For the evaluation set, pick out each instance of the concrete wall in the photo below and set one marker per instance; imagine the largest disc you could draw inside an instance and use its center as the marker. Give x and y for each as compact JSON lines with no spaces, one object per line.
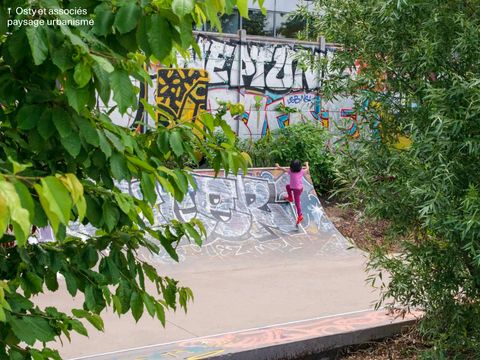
{"x":261,"y":73}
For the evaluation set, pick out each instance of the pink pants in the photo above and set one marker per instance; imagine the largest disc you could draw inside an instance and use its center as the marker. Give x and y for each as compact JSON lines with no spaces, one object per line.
{"x":297,"y":193}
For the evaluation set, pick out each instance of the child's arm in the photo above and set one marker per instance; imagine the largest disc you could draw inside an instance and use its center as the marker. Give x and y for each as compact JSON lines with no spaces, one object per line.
{"x":307,"y":167}
{"x":280,"y":168}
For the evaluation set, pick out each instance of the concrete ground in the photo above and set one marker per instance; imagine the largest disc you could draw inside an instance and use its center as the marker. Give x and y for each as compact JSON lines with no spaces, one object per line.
{"x":311,"y":279}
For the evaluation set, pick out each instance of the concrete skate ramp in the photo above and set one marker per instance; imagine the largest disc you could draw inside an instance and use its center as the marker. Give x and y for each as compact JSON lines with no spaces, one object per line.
{"x":243,"y":215}
{"x":254,"y":269}
{"x":246,"y":215}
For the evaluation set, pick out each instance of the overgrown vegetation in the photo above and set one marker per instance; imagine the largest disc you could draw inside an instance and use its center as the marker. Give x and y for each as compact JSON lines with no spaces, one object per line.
{"x":304,"y":141}
{"x":423,"y":83}
{"x":61,"y":159}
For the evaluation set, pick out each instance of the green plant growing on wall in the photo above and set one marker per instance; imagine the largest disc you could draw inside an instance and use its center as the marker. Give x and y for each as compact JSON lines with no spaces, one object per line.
{"x":60,"y":158}
{"x":426,"y":83}
{"x":303,"y":141}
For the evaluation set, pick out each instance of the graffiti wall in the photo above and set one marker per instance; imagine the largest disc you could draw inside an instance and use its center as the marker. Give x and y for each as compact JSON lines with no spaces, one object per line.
{"x":263,"y":76}
{"x":181,"y":93}
{"x":241,"y":214}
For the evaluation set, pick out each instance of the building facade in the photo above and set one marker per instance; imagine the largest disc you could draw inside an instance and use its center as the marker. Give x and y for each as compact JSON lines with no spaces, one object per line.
{"x":277,"y":22}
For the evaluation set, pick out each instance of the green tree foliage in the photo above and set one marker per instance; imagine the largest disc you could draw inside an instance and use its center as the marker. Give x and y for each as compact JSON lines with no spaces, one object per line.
{"x":298,"y":24}
{"x":304,"y":141}
{"x":419,"y":73}
{"x":60,"y":158}
{"x":256,"y":24}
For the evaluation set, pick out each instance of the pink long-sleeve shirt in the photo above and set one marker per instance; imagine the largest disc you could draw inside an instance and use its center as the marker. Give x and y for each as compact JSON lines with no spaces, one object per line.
{"x":296,"y":179}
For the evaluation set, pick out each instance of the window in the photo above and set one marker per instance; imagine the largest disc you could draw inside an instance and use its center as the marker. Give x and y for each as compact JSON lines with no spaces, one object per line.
{"x":259,"y":24}
{"x":287,"y":25}
{"x":230,"y":23}
{"x":274,"y":23}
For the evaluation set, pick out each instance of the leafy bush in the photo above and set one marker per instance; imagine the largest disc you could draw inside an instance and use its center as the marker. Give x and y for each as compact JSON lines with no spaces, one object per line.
{"x":430,"y":190}
{"x":306,"y":142}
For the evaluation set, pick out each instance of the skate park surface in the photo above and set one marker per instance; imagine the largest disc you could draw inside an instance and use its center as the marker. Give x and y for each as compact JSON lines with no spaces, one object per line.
{"x":256,"y":269}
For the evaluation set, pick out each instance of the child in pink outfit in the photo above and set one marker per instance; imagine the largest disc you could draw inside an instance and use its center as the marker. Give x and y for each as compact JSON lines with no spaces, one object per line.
{"x":295,"y":188}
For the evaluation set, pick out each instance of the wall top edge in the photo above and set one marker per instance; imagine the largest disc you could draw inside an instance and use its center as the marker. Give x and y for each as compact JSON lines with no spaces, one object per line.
{"x":268,"y":39}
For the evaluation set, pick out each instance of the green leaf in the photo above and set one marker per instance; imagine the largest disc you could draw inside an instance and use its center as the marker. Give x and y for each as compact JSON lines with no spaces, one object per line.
{"x":117,"y":304}
{"x":31,"y":329}
{"x":3,"y":318}
{"x":242,"y":6}
{"x":61,"y":120}
{"x":21,"y":224}
{"x":55,"y":200}
{"x":72,"y":144}
{"x":193,"y":233}
{"x":163,"y":141}
{"x":78,"y":327}
{"x":103,"y":63}
{"x":104,"y":144}
{"x":182,"y":181}
{"x":119,"y":168}
{"x":125,"y":202}
{"x":4,"y":214}
{"x":176,"y":143}
{"x":104,"y":18}
{"x":212,"y":9}
{"x":90,"y":300}
{"x":142,"y":34}
{"x":160,"y":37}
{"x":16,"y":214}
{"x":37,"y":38}
{"x":31,"y":283}
{"x":167,"y":245}
{"x":208,"y":120}
{"x":88,"y":131}
{"x":26,"y":199}
{"x":17,"y":167}
{"x":28,"y":117}
{"x":82,"y":74}
{"x":45,"y":125}
{"x":123,"y":90}
{"x":160,"y":313}
{"x":136,"y":304}
{"x":140,"y":163}
{"x":116,"y":141}
{"x":127,"y":17}
{"x":51,"y":281}
{"x":62,"y":58}
{"x":78,"y":98}
{"x":182,"y":7}
{"x":147,"y":184}
{"x":96,"y":321}
{"x":111,"y":215}
{"x":149,"y":302}
{"x":71,"y":282}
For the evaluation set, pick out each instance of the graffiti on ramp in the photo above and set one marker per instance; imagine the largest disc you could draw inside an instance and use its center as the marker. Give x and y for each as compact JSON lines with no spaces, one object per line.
{"x":242,"y":214}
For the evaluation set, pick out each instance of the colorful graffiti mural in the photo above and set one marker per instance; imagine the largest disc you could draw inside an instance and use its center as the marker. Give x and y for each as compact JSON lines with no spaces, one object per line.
{"x":261,"y":76}
{"x":241,"y":215}
{"x":181,"y":93}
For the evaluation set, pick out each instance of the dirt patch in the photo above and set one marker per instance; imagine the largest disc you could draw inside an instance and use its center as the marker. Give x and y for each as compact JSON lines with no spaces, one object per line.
{"x":353,"y":224}
{"x":403,"y":347}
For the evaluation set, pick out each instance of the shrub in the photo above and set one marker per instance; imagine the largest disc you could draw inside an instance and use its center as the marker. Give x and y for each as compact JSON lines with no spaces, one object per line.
{"x":303,"y":141}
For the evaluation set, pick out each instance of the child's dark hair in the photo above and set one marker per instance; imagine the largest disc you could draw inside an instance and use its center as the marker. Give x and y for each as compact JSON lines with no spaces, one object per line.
{"x":295,"y":166}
